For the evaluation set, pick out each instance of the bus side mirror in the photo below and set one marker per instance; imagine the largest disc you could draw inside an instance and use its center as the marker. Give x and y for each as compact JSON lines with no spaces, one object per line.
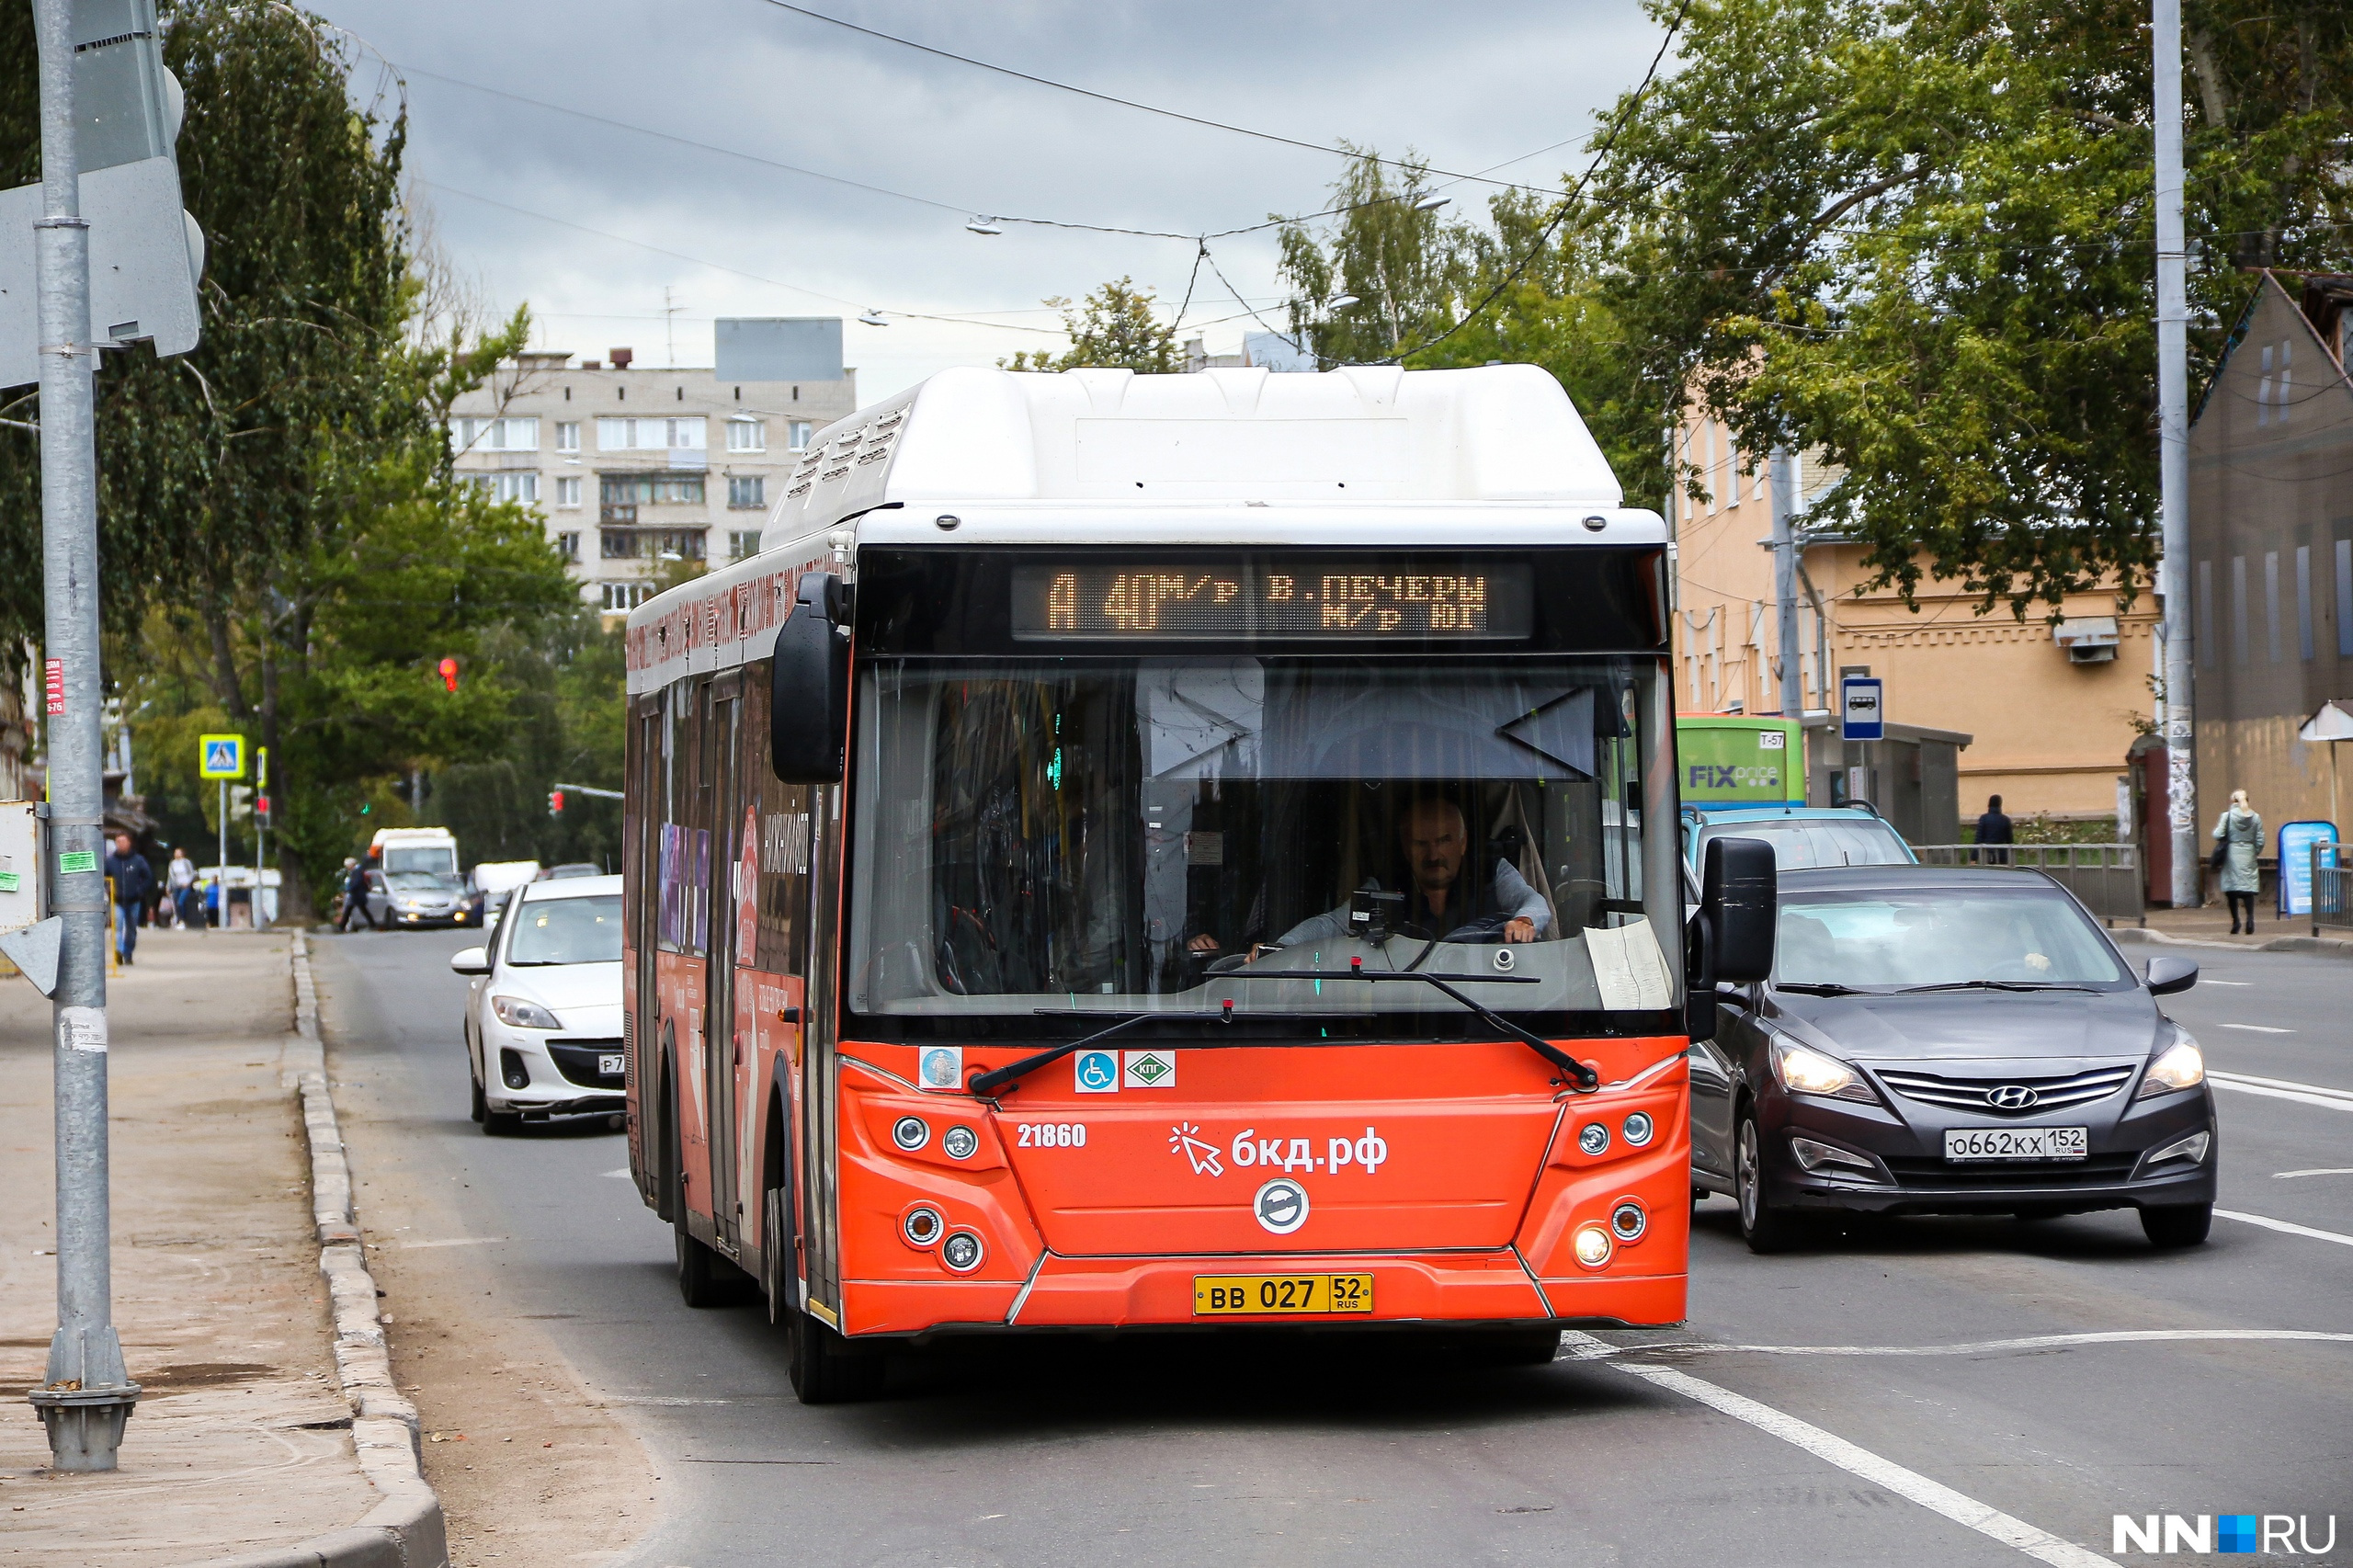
{"x":1739,"y":902}
{"x":809,"y":685}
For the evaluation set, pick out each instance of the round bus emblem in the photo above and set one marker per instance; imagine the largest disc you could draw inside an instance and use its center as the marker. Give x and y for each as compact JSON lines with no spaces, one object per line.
{"x":1282,"y":1206}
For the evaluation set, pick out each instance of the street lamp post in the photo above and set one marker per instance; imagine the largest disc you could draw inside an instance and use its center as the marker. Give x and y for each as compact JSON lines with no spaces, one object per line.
{"x":2173,"y":459}
{"x":85,"y":1396}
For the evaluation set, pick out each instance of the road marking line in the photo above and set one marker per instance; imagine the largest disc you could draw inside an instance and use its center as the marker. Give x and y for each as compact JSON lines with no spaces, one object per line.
{"x":2203,"y":981}
{"x":2284,"y":1227}
{"x":456,"y":1242}
{"x":1986,"y":1346}
{"x":2257,"y":1029}
{"x":2284,"y":1083}
{"x":623,"y":1173}
{"x":2333,"y":1170}
{"x":1884,"y":1473}
{"x":2273,"y":1089}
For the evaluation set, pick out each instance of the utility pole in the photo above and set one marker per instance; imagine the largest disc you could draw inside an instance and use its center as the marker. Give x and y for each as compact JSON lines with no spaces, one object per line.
{"x":87,"y":1396}
{"x":1785,"y":581}
{"x":2173,"y":459}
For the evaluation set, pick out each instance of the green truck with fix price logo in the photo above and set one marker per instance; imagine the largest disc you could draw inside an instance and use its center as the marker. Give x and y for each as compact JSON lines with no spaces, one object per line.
{"x":1733,"y":759}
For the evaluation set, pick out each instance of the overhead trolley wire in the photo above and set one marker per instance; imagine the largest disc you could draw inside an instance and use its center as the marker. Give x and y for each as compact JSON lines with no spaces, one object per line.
{"x":1131,"y":103}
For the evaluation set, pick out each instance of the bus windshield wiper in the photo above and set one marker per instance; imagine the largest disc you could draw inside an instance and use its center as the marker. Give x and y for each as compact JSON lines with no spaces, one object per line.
{"x":1818,"y":988}
{"x":1583,"y":1077}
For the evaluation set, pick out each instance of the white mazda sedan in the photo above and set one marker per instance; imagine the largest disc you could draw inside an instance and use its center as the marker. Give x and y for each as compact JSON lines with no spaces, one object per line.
{"x":543,"y":1017}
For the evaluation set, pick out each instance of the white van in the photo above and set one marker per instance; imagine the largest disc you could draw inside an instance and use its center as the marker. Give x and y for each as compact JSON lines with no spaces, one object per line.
{"x":433,"y":850}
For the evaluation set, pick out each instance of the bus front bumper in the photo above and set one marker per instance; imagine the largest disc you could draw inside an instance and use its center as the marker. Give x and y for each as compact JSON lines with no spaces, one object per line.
{"x":1455,"y":1289}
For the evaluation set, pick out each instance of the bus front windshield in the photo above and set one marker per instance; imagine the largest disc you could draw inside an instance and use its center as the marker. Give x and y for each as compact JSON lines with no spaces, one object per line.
{"x":1157,"y":834}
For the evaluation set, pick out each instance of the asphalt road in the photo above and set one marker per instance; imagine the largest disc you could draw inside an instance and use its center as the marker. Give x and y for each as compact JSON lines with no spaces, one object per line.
{"x":1775,"y":1429}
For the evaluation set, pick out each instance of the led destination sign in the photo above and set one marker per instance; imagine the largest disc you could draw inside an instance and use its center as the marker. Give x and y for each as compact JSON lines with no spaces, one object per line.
{"x":1311,"y":599}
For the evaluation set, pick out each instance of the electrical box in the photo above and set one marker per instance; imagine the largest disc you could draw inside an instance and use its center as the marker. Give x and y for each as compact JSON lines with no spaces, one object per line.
{"x":21,"y":901}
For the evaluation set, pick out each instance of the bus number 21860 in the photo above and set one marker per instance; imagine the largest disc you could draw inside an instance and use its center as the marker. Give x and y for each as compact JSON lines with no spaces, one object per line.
{"x":1051,"y":1135}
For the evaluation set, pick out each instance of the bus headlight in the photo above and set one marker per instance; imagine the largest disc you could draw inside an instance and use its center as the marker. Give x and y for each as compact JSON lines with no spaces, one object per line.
{"x":1638,"y":1129}
{"x":1593,"y":1246}
{"x":911,"y":1133}
{"x":1593,"y":1138}
{"x":961,"y":1252}
{"x":920,"y":1227}
{"x":959,"y":1142}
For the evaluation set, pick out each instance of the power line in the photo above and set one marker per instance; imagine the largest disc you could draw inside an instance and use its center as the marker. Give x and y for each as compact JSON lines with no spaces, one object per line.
{"x":720,"y":267}
{"x":1128,"y":103}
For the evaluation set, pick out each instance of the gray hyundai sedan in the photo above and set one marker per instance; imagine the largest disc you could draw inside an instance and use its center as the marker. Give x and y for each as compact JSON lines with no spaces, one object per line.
{"x":1957,"y":1040}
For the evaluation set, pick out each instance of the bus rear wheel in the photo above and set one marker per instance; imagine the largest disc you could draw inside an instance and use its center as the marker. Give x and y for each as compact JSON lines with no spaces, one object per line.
{"x":827,"y":1368}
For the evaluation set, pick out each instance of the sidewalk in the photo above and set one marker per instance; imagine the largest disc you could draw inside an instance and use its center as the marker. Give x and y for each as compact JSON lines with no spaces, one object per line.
{"x":241,"y":1442}
{"x":2211,"y":925}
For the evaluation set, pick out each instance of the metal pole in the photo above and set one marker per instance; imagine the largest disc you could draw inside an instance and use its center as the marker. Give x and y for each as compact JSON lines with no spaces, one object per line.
{"x":2173,"y":459}
{"x":85,"y":1396}
{"x":1785,"y":581}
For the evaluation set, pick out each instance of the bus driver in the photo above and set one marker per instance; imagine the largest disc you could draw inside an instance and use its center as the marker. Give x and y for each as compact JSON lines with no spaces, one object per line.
{"x":1437,"y":847}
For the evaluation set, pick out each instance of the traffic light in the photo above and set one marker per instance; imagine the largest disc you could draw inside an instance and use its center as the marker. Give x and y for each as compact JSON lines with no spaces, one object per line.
{"x":555,"y":803}
{"x":449,"y":675}
{"x":261,"y":809}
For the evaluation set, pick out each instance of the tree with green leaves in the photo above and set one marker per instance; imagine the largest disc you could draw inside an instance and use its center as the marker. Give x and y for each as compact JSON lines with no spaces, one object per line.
{"x":1116,"y":326}
{"x":1919,"y":238}
{"x":1412,"y":283}
{"x":283,"y":548}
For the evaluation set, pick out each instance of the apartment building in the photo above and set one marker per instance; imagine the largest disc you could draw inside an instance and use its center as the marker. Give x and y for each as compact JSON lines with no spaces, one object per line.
{"x":633,"y":468}
{"x":2047,"y":712}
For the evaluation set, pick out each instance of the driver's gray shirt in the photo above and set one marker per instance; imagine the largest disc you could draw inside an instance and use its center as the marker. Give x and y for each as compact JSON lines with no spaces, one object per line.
{"x":1514,"y":900}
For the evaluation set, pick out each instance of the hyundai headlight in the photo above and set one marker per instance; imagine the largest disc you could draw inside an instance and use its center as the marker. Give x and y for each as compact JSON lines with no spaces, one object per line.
{"x":515,"y":1013}
{"x":2180,"y":1066}
{"x":1805,"y":1071}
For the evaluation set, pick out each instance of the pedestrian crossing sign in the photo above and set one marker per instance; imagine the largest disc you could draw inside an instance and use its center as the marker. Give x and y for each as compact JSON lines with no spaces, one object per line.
{"x":222,"y":757}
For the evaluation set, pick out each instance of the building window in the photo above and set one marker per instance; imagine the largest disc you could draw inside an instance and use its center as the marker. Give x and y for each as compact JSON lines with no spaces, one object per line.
{"x":2205,"y":633}
{"x":626,"y":596}
{"x":495,"y":435}
{"x":649,"y":435}
{"x":2238,"y":610}
{"x":522,"y":487}
{"x":652,"y":544}
{"x":2304,"y":601}
{"x":798,"y":430}
{"x":748,"y":490}
{"x":567,"y":492}
{"x":634,"y":490}
{"x":2344,"y":598}
{"x":743,"y":543}
{"x":568,"y":546}
{"x":567,"y":435}
{"x":746,"y":436}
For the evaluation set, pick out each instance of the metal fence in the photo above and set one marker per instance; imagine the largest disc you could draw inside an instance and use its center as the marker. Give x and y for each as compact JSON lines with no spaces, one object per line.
{"x":2105,"y":876}
{"x":2332,"y":890}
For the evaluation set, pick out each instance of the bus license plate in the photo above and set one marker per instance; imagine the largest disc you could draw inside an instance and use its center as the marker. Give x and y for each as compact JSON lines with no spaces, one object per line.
{"x":2016,"y":1144}
{"x":1258,"y":1295}
{"x":608,"y":1063}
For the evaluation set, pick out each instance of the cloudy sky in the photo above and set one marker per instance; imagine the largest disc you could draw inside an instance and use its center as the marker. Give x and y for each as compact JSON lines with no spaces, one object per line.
{"x":591,"y":222}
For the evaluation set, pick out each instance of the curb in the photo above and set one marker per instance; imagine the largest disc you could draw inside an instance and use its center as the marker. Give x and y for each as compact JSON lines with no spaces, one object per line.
{"x":2319,"y":947}
{"x":405,"y":1529}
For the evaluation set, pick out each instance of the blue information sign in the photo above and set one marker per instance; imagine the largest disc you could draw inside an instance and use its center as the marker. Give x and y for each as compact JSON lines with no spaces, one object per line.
{"x":1861,"y":714}
{"x":2296,"y":841}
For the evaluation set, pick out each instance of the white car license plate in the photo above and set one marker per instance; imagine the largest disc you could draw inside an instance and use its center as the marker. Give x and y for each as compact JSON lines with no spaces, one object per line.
{"x":2016,"y":1142}
{"x":609,"y":1063}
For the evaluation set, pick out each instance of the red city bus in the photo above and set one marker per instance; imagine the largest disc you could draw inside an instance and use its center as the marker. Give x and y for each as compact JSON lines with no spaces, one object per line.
{"x":1155,"y":852}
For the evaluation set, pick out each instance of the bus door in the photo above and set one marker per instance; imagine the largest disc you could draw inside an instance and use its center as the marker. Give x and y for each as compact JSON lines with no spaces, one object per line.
{"x":819,"y":1130}
{"x":722,"y":1046}
{"x":640,"y":832}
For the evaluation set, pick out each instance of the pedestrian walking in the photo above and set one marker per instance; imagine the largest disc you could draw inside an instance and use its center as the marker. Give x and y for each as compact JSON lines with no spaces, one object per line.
{"x":2238,"y":841}
{"x":179,"y":881}
{"x":132,"y":876}
{"x":355,"y":899}
{"x":1993,"y":827}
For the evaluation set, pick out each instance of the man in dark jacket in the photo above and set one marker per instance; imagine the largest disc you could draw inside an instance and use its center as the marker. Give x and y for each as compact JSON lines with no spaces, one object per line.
{"x":132,"y":876}
{"x":1994,"y":828}
{"x":355,"y":899}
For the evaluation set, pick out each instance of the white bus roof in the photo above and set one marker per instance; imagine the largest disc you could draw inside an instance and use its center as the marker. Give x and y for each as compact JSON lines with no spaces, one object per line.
{"x":1365,"y":433}
{"x":1245,"y":458}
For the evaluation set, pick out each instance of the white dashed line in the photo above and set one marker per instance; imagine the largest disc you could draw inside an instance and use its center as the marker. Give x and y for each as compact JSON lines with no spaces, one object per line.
{"x":2282,"y":1089}
{"x":2257,"y":1029}
{"x":2333,"y":1170}
{"x":456,"y":1242}
{"x":1994,"y":1347}
{"x":2283,"y":1227}
{"x":1885,"y":1474}
{"x":622,"y":1173}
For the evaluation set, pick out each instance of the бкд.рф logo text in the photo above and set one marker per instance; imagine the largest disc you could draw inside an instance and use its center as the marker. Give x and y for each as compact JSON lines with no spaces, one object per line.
{"x":2249,"y":1534}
